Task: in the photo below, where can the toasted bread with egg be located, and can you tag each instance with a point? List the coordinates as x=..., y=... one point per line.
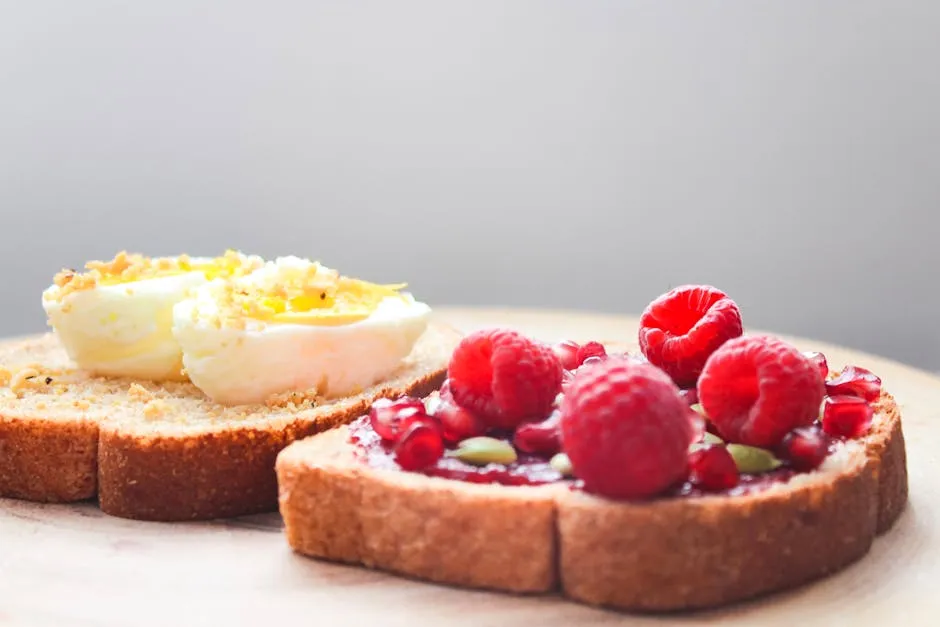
x=164, y=451
x=664, y=554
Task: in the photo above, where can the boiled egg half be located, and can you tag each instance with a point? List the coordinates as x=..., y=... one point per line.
x=294, y=326
x=116, y=317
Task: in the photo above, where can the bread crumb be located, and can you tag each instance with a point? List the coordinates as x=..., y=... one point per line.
x=292, y=400
x=41, y=406
x=81, y=404
x=25, y=379
x=139, y=393
x=4, y=376
x=156, y=408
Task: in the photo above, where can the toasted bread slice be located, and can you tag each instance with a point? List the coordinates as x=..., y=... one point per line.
x=663, y=554
x=163, y=451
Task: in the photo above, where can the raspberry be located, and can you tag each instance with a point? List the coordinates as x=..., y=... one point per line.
x=756, y=389
x=626, y=429
x=681, y=328
x=504, y=377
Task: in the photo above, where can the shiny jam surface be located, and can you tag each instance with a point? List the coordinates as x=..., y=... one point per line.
x=528, y=470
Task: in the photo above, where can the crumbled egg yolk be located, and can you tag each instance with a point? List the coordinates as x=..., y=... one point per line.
x=127, y=268
x=312, y=294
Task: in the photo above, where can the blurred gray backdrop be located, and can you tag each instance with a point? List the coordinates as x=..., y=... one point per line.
x=582, y=154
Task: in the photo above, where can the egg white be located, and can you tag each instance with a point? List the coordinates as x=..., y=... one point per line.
x=123, y=330
x=238, y=366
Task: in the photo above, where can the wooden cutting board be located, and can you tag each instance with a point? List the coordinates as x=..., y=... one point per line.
x=72, y=565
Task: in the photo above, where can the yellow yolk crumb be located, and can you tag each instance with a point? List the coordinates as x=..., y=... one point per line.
x=139, y=392
x=25, y=379
x=155, y=408
x=129, y=267
x=312, y=294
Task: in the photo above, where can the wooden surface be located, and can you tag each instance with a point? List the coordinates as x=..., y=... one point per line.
x=72, y=565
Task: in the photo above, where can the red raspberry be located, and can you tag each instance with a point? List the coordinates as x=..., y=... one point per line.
x=681, y=328
x=626, y=429
x=756, y=389
x=504, y=377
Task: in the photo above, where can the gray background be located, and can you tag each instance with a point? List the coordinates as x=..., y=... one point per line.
x=574, y=154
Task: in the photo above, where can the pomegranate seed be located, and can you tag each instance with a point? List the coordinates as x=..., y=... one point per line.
x=846, y=416
x=458, y=423
x=805, y=448
x=445, y=393
x=591, y=349
x=855, y=381
x=567, y=353
x=690, y=395
x=540, y=438
x=712, y=468
x=566, y=378
x=820, y=360
x=593, y=359
x=390, y=417
x=698, y=425
x=420, y=446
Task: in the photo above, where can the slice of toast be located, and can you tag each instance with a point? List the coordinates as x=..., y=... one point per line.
x=663, y=554
x=163, y=451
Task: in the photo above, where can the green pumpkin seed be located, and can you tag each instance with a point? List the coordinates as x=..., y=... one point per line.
x=562, y=464
x=711, y=438
x=481, y=451
x=753, y=460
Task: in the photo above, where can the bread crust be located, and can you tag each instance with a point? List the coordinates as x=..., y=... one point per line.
x=661, y=555
x=336, y=508
x=150, y=471
x=48, y=461
x=214, y=474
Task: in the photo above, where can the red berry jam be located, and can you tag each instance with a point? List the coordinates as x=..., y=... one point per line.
x=533, y=469
x=526, y=470
x=426, y=436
